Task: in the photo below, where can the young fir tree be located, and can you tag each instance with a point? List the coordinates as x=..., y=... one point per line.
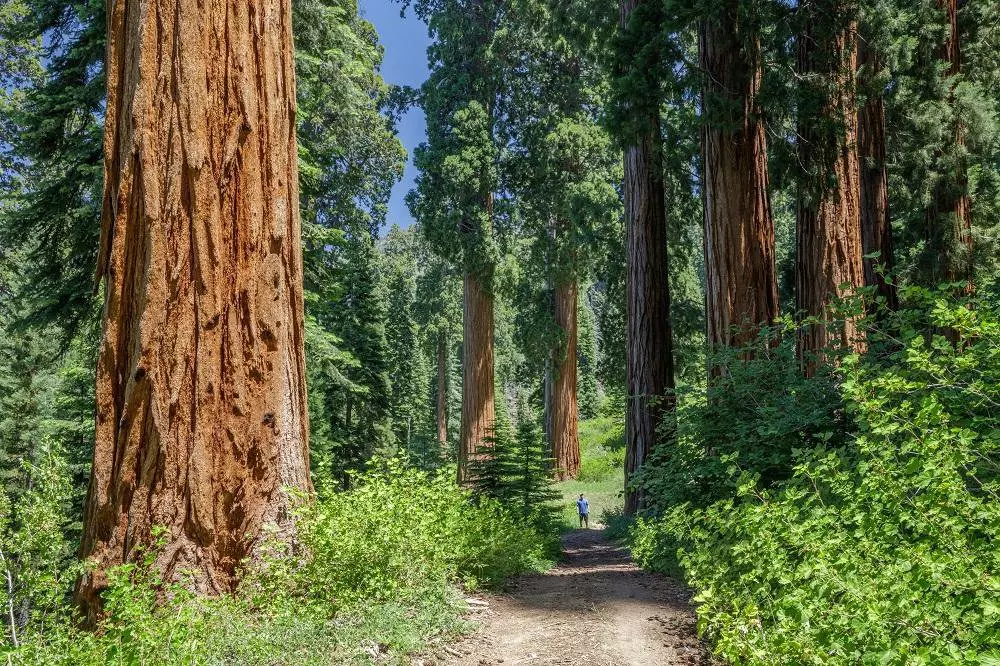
x=408, y=364
x=513, y=467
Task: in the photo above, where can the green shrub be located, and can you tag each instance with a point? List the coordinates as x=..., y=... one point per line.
x=882, y=550
x=371, y=578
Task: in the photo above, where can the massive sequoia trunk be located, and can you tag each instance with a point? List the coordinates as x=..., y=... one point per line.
x=201, y=404
x=876, y=227
x=742, y=287
x=828, y=262
x=441, y=409
x=477, y=372
x=648, y=353
x=949, y=217
x=564, y=411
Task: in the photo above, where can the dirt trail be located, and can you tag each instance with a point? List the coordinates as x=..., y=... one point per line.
x=595, y=609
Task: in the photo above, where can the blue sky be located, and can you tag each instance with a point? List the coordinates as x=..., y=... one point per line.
x=405, y=63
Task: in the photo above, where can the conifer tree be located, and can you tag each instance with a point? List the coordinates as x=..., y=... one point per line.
x=828, y=223
x=649, y=340
x=201, y=403
x=454, y=197
x=563, y=175
x=741, y=289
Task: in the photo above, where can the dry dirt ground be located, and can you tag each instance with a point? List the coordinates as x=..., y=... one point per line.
x=596, y=608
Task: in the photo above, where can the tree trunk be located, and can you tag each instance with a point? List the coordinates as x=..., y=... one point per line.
x=564, y=411
x=648, y=353
x=201, y=398
x=876, y=226
x=742, y=286
x=949, y=219
x=477, y=372
x=442, y=391
x=828, y=263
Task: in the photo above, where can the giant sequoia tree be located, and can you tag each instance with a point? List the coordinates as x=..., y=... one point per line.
x=649, y=353
x=454, y=199
x=828, y=231
x=563, y=175
x=741, y=290
x=201, y=405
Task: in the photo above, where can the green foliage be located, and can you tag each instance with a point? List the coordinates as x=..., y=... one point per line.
x=513, y=468
x=881, y=550
x=758, y=410
x=370, y=579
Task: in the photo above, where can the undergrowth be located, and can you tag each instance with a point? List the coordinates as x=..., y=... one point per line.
x=372, y=579
x=874, y=541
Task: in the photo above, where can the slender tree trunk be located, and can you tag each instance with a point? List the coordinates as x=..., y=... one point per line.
x=648, y=352
x=564, y=410
x=876, y=226
x=477, y=372
x=828, y=264
x=201, y=403
x=949, y=218
x=442, y=391
x=742, y=285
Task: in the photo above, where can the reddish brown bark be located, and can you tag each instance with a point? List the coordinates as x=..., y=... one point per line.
x=742, y=288
x=828, y=231
x=564, y=411
x=648, y=347
x=441, y=411
x=876, y=226
x=949, y=217
x=478, y=410
x=201, y=405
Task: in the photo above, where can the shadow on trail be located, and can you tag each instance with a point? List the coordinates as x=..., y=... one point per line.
x=595, y=608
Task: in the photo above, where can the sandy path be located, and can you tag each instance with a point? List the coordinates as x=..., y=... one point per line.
x=595, y=609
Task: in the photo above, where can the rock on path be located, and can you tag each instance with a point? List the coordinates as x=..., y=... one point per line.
x=595, y=609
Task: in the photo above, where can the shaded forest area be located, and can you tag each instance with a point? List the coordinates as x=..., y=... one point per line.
x=244, y=418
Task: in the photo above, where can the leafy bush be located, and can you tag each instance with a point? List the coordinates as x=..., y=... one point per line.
x=881, y=551
x=759, y=409
x=371, y=579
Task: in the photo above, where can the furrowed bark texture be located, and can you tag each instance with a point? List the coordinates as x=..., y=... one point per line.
x=828, y=264
x=477, y=372
x=742, y=286
x=949, y=218
x=564, y=410
x=876, y=226
x=648, y=347
x=442, y=392
x=201, y=404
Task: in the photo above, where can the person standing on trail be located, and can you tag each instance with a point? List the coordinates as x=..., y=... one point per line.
x=584, y=507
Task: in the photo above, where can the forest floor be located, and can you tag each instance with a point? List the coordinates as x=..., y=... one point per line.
x=595, y=608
